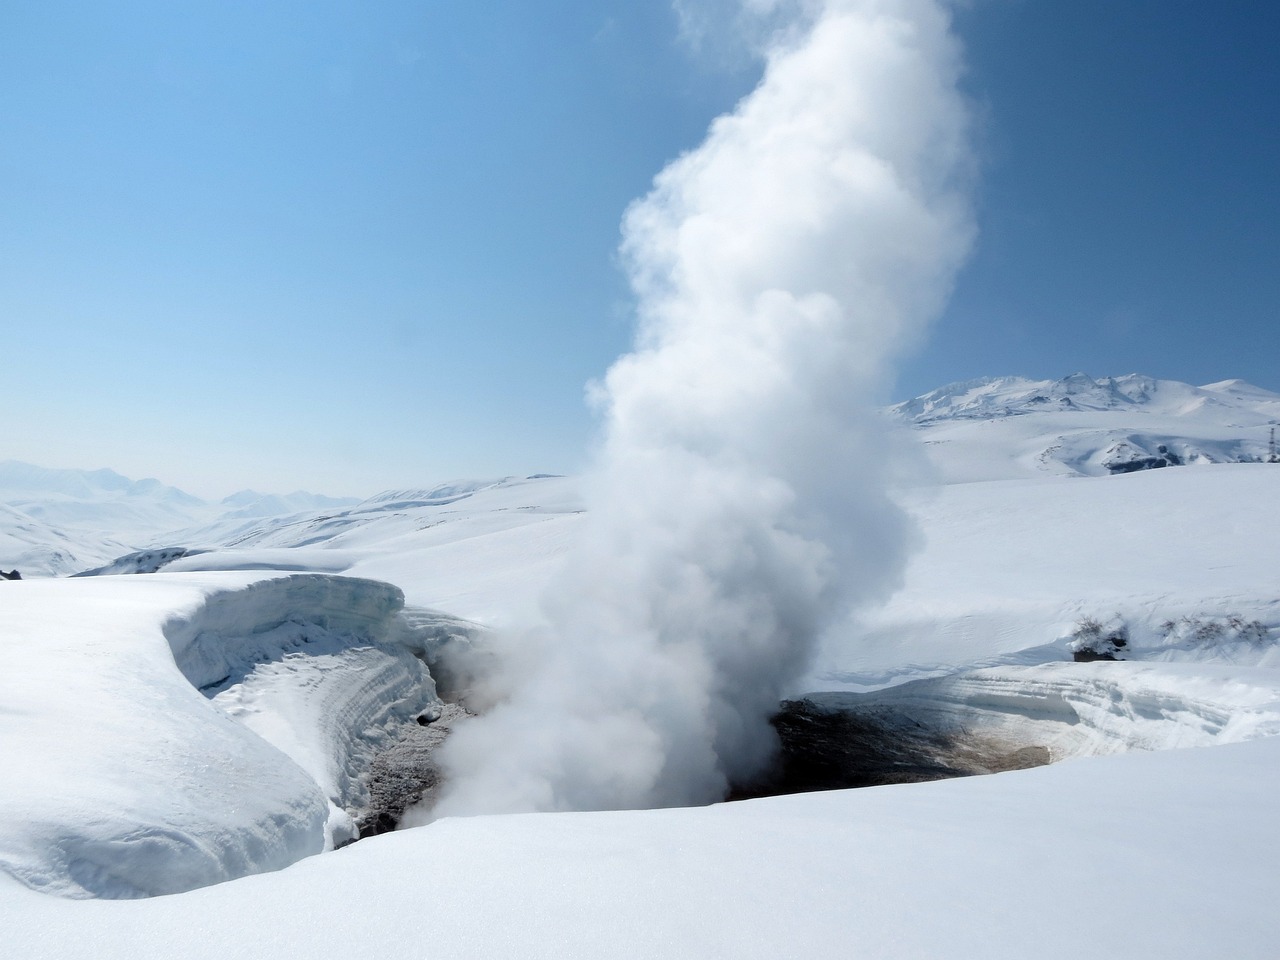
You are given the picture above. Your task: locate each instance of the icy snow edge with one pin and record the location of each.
(128, 781)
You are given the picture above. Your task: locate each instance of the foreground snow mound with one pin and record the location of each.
(1168, 856)
(125, 780)
(996, 428)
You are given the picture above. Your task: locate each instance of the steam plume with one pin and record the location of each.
(739, 502)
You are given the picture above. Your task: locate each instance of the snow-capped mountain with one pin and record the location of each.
(18, 479)
(1001, 427)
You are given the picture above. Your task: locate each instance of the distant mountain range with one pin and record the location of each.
(59, 522)
(56, 522)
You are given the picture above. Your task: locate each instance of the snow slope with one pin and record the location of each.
(481, 550)
(1007, 568)
(36, 548)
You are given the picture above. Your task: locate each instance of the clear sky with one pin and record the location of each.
(345, 246)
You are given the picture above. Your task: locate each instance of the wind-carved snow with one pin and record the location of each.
(125, 780)
(315, 665)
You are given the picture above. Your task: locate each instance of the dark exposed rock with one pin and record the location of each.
(1092, 656)
(1163, 457)
(406, 773)
(827, 749)
(11, 575)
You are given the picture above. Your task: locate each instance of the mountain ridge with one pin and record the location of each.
(993, 397)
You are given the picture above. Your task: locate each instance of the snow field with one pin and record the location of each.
(1007, 570)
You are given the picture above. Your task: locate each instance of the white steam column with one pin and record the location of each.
(739, 503)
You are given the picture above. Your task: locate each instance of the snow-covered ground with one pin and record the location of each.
(1008, 567)
(166, 731)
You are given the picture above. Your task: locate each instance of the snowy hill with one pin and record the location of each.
(995, 428)
(55, 522)
(479, 549)
(987, 429)
(36, 548)
(251, 503)
(991, 397)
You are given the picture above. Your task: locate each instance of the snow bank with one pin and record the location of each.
(124, 780)
(221, 641)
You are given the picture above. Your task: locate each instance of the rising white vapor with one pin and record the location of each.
(739, 503)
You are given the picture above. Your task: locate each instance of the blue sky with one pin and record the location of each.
(1130, 206)
(347, 246)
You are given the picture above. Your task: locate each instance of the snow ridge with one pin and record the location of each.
(989, 398)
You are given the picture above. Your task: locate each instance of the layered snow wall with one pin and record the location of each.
(125, 779)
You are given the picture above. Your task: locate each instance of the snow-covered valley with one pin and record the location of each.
(205, 729)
